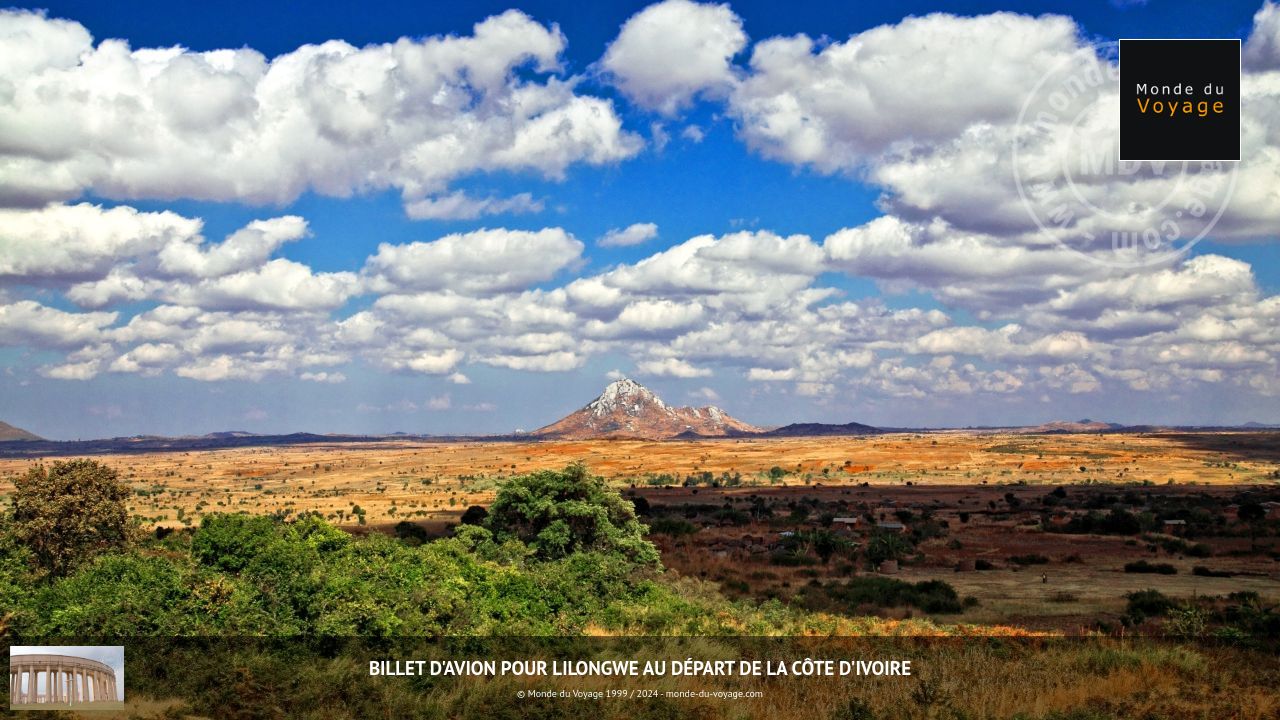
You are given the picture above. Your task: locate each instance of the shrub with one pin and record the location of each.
(855, 709)
(672, 526)
(69, 513)
(641, 505)
(1142, 566)
(1148, 603)
(1203, 571)
(788, 558)
(474, 515)
(230, 541)
(887, 546)
(1200, 550)
(1029, 559)
(560, 513)
(410, 532)
(934, 596)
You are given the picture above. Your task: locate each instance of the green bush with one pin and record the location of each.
(672, 526)
(887, 546)
(1148, 603)
(1142, 566)
(232, 541)
(560, 513)
(69, 513)
(933, 596)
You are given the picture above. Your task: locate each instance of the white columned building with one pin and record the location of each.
(60, 680)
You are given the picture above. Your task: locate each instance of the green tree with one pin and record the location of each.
(558, 513)
(474, 515)
(887, 546)
(69, 513)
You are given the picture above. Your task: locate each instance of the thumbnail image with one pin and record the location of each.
(65, 677)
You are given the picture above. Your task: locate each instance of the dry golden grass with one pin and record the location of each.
(393, 481)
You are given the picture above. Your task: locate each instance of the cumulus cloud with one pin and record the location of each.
(460, 206)
(413, 115)
(28, 323)
(482, 261)
(671, 367)
(928, 109)
(635, 234)
(925, 109)
(66, 243)
(673, 50)
(1262, 50)
(924, 79)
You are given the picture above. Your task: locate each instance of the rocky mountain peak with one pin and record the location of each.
(627, 409)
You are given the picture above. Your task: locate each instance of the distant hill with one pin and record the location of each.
(822, 429)
(1071, 426)
(9, 432)
(627, 409)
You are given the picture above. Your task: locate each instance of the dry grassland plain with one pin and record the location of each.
(374, 485)
(393, 481)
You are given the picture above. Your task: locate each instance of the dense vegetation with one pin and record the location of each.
(558, 551)
(557, 554)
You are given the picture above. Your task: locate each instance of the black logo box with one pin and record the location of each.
(1184, 63)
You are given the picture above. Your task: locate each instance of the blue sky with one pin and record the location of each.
(828, 233)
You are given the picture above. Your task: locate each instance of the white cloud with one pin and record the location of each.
(439, 402)
(331, 378)
(80, 242)
(1262, 49)
(671, 367)
(673, 50)
(460, 206)
(243, 250)
(705, 393)
(546, 362)
(770, 374)
(414, 115)
(427, 363)
(1071, 377)
(924, 79)
(28, 323)
(72, 371)
(635, 234)
(279, 285)
(927, 109)
(483, 261)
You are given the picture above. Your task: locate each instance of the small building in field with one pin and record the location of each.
(1175, 527)
(889, 526)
